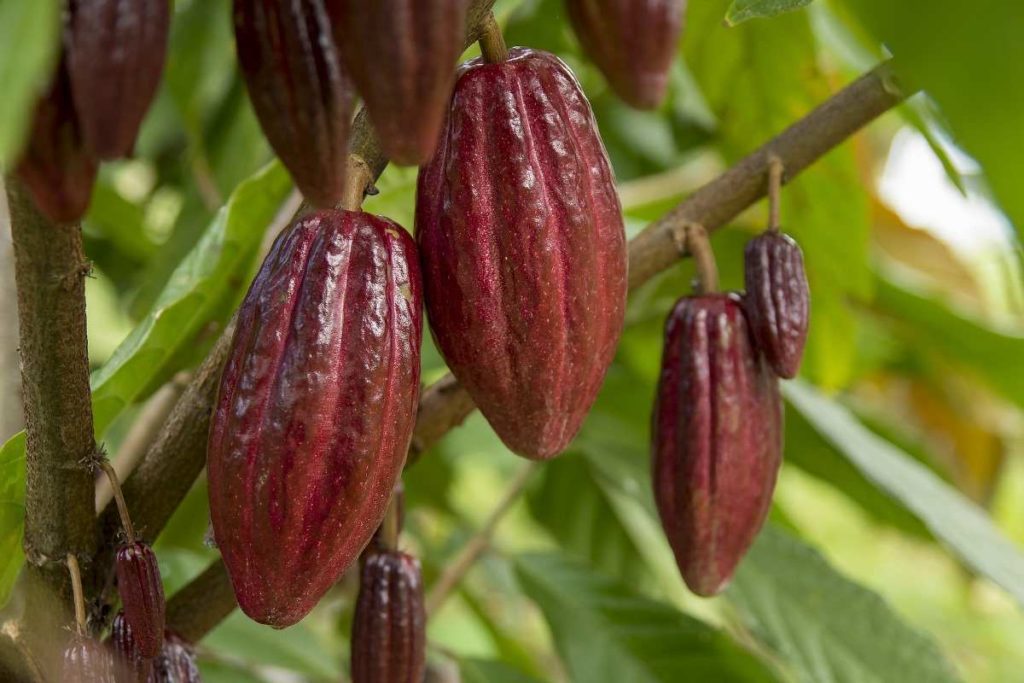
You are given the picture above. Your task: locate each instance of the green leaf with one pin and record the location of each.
(606, 632)
(951, 517)
(491, 671)
(12, 512)
(824, 626)
(29, 36)
(743, 10)
(298, 649)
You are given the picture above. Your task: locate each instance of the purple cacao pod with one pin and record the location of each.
(717, 439)
(402, 55)
(777, 300)
(633, 42)
(116, 53)
(142, 595)
(523, 248)
(130, 666)
(176, 662)
(389, 626)
(299, 90)
(316, 409)
(87, 661)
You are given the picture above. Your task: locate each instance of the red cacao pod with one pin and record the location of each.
(116, 53)
(633, 42)
(56, 167)
(402, 55)
(142, 595)
(130, 665)
(87, 661)
(389, 626)
(299, 90)
(777, 300)
(176, 662)
(316, 409)
(717, 439)
(523, 248)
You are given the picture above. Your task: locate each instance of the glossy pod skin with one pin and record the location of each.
(389, 626)
(116, 54)
(142, 595)
(523, 248)
(633, 42)
(316, 409)
(176, 662)
(299, 90)
(402, 56)
(87, 661)
(130, 665)
(717, 439)
(777, 300)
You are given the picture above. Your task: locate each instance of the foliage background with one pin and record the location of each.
(893, 551)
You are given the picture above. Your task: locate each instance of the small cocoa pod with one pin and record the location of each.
(116, 53)
(299, 90)
(55, 166)
(130, 666)
(523, 248)
(142, 595)
(389, 625)
(402, 55)
(633, 42)
(316, 409)
(777, 300)
(717, 439)
(176, 662)
(87, 661)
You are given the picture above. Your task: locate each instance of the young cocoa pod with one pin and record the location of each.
(402, 55)
(116, 53)
(130, 666)
(633, 42)
(176, 662)
(389, 626)
(142, 595)
(316, 409)
(717, 439)
(523, 247)
(87, 661)
(777, 300)
(299, 90)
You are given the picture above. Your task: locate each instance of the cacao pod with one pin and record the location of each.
(299, 90)
(56, 167)
(176, 662)
(523, 248)
(142, 595)
(116, 53)
(633, 42)
(130, 665)
(316, 409)
(717, 439)
(402, 55)
(87, 661)
(777, 300)
(389, 626)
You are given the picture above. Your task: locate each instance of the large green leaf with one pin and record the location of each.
(604, 631)
(743, 10)
(12, 512)
(299, 649)
(490, 671)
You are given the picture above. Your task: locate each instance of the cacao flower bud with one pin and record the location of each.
(633, 42)
(777, 300)
(389, 626)
(524, 250)
(116, 53)
(86, 661)
(717, 439)
(130, 665)
(299, 90)
(176, 662)
(402, 55)
(316, 409)
(142, 595)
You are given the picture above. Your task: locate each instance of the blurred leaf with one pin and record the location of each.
(742, 10)
(491, 671)
(121, 222)
(298, 649)
(12, 512)
(824, 626)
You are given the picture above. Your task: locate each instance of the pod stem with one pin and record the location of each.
(122, 507)
(492, 42)
(358, 181)
(392, 525)
(78, 593)
(775, 173)
(698, 245)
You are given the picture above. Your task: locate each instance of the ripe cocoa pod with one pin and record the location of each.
(299, 90)
(402, 55)
(523, 248)
(316, 409)
(389, 625)
(55, 166)
(142, 595)
(130, 666)
(87, 661)
(633, 42)
(116, 53)
(176, 662)
(717, 439)
(777, 300)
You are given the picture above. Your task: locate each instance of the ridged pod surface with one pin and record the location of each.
(523, 248)
(717, 439)
(87, 661)
(299, 90)
(116, 53)
(777, 300)
(176, 662)
(316, 409)
(142, 595)
(633, 42)
(129, 664)
(402, 55)
(389, 626)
